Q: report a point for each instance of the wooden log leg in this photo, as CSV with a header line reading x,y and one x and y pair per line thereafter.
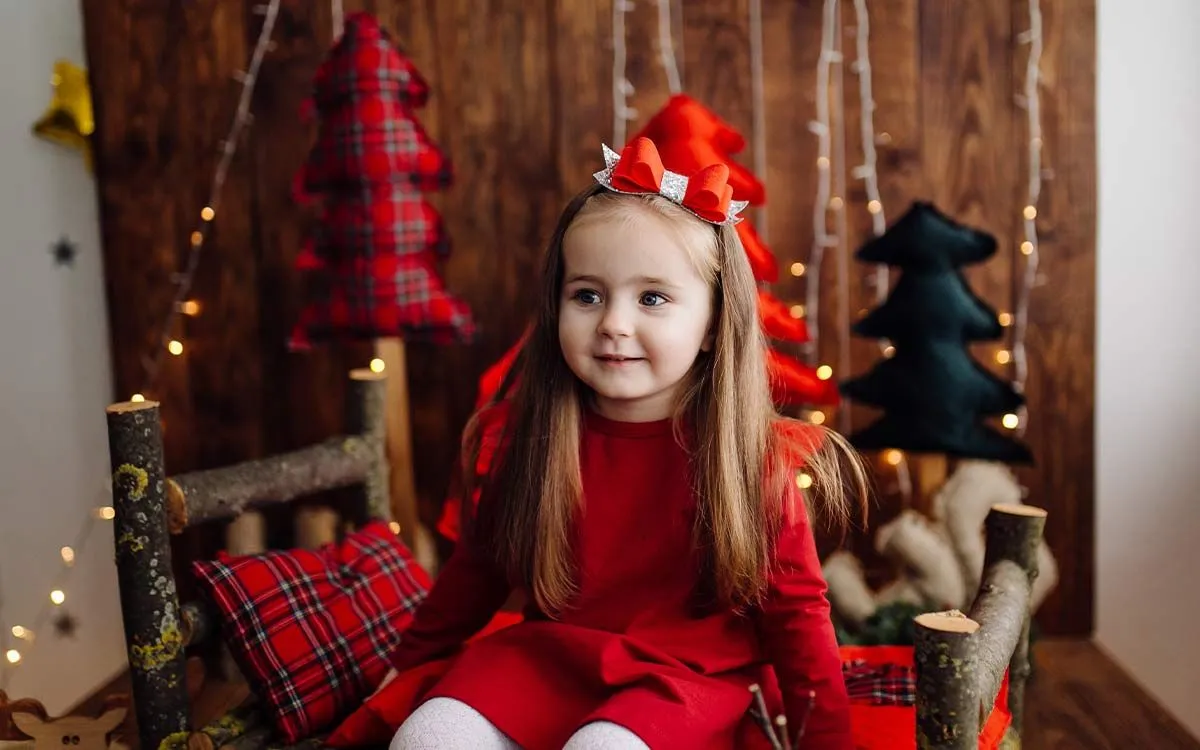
x,y
245,535
947,694
366,406
399,439
149,602
316,525
1014,534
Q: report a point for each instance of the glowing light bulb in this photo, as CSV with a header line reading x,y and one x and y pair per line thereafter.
x,y
137,398
13,656
189,307
1026,248
797,311
823,162
889,351
58,597
68,555
835,203
175,347
798,269
817,417
1011,421
893,457
197,239
874,207
377,365
106,513
1004,356
1005,319
395,527
20,632
1030,212
207,213
824,372
804,481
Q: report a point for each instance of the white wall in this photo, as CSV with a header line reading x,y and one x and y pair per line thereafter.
x,y
1148,348
54,373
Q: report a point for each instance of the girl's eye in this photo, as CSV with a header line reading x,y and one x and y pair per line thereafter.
x,y
586,296
653,299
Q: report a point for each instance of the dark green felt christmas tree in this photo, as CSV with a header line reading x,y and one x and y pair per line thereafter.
x,y
934,396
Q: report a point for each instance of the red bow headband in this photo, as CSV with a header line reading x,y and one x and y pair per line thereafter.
x,y
639,170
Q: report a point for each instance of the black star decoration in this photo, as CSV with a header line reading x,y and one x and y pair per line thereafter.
x,y
65,625
63,251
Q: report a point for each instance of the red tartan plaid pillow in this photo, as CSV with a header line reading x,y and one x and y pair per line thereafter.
x,y
312,629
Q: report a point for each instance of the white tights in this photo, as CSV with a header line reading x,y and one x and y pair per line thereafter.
x,y
447,724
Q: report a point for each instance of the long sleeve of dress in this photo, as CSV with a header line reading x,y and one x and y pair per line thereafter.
x,y
800,643
466,595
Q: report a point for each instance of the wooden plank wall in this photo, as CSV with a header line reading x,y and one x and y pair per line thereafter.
x,y
521,101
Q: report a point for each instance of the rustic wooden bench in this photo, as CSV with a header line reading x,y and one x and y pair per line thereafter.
x,y
960,659
150,507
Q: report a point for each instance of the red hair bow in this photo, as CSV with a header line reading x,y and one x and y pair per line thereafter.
x,y
639,170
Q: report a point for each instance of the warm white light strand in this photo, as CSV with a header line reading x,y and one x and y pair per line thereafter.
x,y
821,128
23,646
621,87
666,47
840,212
1029,247
758,108
242,117
339,19
868,173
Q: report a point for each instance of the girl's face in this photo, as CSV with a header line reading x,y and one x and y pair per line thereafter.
x,y
634,314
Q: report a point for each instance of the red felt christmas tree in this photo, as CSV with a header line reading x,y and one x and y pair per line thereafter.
x,y
689,137
371,260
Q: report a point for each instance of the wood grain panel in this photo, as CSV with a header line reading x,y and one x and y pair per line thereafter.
x,y
521,99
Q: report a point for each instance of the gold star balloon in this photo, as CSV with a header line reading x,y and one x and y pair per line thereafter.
x,y
68,120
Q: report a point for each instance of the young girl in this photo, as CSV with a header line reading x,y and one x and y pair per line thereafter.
x,y
642,495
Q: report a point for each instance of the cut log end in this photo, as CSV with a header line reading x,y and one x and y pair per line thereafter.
x,y
947,622
1020,510
177,515
123,407
366,374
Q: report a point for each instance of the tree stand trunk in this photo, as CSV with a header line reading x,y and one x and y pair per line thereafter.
x,y
931,470
961,661
399,438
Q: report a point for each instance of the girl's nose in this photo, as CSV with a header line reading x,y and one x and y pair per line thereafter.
x,y
616,321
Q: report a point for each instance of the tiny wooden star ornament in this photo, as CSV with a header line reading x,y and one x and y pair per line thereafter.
x,y
64,252
68,120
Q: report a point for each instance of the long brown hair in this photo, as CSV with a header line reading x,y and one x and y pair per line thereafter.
x,y
531,495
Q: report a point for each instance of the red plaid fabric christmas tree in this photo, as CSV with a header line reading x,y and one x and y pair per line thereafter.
x,y
371,261
689,137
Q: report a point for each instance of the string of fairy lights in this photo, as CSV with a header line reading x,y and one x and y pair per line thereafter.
x,y
868,173
1031,101
23,636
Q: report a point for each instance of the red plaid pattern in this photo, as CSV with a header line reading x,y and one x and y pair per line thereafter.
x,y
312,630
880,684
377,239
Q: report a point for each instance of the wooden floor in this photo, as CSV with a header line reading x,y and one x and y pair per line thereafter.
x,y
1077,699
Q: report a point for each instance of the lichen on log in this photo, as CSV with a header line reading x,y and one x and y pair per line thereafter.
x,y
149,603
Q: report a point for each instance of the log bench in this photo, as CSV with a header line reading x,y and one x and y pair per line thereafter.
x,y
960,659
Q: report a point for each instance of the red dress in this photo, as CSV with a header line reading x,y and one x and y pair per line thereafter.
x,y
629,650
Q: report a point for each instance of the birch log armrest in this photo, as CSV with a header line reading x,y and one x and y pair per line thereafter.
x,y
961,659
150,506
